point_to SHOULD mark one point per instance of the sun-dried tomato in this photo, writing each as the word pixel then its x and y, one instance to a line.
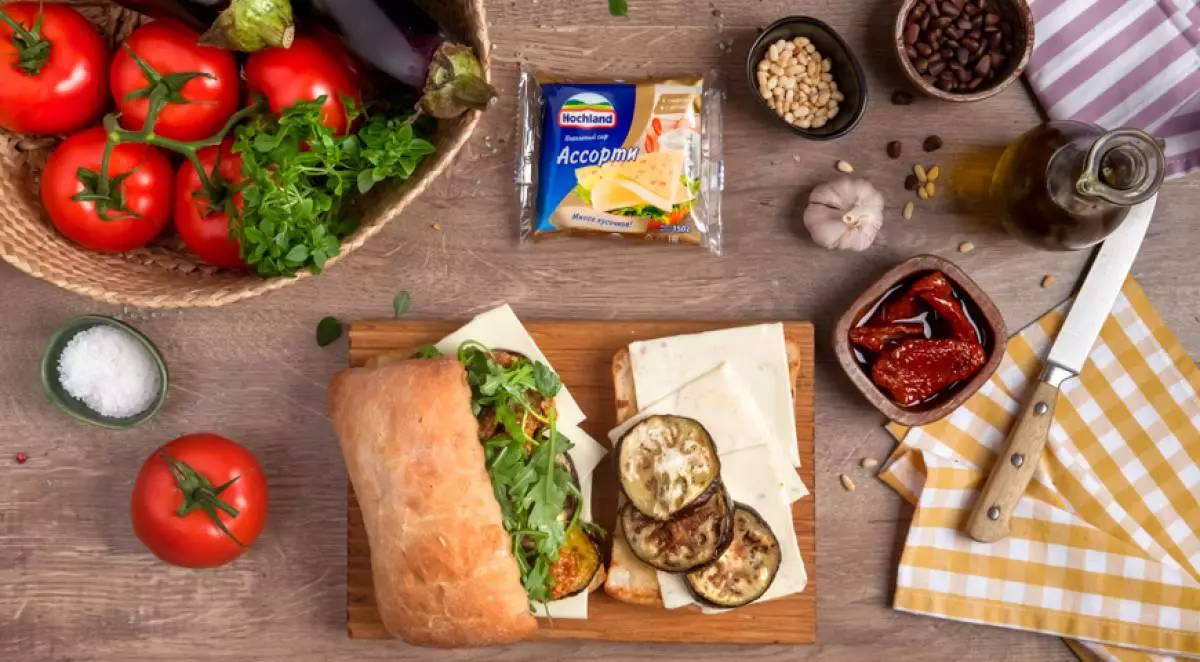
pixel 908 305
pixel 951 310
pixel 880 338
pixel 916 370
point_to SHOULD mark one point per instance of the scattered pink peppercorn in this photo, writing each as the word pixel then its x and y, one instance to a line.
pixel 22 458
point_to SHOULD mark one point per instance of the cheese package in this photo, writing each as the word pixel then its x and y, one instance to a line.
pixel 759 353
pixel 632 159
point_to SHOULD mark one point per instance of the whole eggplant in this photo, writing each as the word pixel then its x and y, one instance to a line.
pixel 239 25
pixel 404 41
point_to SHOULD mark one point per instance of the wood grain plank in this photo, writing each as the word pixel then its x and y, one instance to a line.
pixel 582 352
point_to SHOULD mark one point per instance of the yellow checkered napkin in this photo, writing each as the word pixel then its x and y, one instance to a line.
pixel 1105 545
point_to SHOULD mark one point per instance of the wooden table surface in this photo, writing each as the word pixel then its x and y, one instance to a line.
pixel 75 584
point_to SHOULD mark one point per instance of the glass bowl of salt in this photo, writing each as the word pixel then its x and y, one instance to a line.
pixel 104 372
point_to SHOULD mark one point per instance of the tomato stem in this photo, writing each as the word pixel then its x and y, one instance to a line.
pixel 33 50
pixel 200 494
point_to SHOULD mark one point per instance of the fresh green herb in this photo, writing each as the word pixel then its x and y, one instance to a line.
pixel 402 303
pixel 429 352
pixel 530 484
pixel 299 176
pixel 329 329
pixel 618 7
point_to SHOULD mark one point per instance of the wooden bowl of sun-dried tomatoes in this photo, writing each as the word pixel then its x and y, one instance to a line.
pixel 921 340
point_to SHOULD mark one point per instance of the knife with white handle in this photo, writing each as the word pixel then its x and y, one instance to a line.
pixel 992 517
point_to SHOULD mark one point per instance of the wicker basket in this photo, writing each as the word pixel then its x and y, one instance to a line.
pixel 163 274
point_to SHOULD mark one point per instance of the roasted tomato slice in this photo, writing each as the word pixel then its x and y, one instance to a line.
pixel 881 338
pixel 916 370
pixel 578 562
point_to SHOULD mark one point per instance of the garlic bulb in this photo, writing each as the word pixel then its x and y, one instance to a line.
pixel 845 214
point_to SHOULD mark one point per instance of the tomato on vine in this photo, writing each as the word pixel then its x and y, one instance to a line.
pixel 115 208
pixel 202 221
pixel 307 71
pixel 200 501
pixel 53 69
pixel 200 83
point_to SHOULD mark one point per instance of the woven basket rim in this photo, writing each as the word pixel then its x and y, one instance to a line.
pixel 221 292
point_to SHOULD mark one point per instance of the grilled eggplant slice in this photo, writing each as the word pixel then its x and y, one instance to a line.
pixel 692 539
pixel 745 571
pixel 572 503
pixel 578 562
pixel 665 464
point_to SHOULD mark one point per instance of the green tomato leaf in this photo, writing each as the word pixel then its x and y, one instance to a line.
pixel 329 329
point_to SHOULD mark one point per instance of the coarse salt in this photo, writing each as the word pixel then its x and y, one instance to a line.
pixel 110 371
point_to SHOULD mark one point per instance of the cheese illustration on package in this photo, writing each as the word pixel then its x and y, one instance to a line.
pixel 621 158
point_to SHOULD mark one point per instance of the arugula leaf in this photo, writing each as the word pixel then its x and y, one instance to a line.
pixel 329 329
pixel 618 7
pixel 299 179
pixel 528 480
pixel 545 380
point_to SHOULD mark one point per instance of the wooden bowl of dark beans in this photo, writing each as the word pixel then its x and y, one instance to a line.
pixel 964 50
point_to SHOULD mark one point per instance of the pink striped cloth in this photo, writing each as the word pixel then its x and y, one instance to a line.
pixel 1123 63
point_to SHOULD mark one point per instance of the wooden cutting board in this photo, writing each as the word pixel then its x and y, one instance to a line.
pixel 582 354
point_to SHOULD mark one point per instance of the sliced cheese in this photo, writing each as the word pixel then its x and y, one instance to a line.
pixel 499 328
pixel 759 353
pixel 720 400
pixel 742 473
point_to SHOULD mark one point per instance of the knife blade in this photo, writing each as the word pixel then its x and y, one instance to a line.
pixel 991 518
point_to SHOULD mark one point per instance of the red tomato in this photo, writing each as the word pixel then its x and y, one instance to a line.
pixel 69 88
pixel 146 193
pixel 305 72
pixel 212 478
pixel 171 48
pixel 205 231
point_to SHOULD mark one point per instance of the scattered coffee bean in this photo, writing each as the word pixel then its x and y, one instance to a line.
pixel 974 38
pixel 932 144
pixel 911 183
pixel 894 148
pixel 901 98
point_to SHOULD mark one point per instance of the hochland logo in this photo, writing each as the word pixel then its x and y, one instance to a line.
pixel 587 111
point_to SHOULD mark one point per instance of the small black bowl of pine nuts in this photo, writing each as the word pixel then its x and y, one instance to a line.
pixel 805 75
